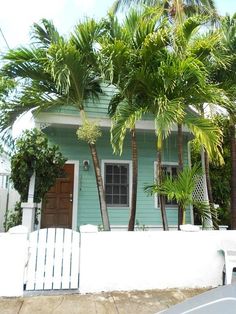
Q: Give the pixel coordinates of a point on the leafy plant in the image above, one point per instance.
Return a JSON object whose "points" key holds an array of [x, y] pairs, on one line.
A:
{"points": [[181, 189], [13, 218], [140, 227], [33, 153]]}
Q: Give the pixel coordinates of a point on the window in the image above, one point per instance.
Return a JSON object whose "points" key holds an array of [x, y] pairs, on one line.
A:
{"points": [[4, 181], [171, 170], [116, 180]]}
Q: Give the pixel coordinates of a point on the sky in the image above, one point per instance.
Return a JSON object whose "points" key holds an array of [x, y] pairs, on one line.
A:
{"points": [[17, 16]]}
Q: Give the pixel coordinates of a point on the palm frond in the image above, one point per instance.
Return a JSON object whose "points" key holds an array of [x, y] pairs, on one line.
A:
{"points": [[45, 33], [168, 113], [123, 4], [180, 189], [125, 117], [208, 134]]}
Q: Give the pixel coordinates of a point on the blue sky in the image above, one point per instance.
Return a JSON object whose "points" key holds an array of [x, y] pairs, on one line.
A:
{"points": [[17, 16], [226, 6]]}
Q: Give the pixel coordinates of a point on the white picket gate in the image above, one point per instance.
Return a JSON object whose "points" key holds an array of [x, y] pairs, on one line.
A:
{"points": [[53, 261]]}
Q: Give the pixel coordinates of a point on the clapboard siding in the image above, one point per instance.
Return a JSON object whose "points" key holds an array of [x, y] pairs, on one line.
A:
{"points": [[88, 204], [94, 108]]}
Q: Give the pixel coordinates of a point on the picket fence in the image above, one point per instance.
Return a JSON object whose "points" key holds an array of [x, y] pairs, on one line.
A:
{"points": [[53, 261]]}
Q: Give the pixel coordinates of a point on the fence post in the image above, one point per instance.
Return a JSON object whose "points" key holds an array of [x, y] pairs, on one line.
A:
{"points": [[14, 249], [28, 215], [85, 232]]}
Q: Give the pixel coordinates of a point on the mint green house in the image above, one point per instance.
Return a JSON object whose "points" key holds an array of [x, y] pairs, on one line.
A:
{"points": [[73, 201]]}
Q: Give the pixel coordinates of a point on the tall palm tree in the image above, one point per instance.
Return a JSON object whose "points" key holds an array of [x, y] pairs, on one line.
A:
{"points": [[173, 8], [177, 11], [59, 72], [198, 89], [224, 74], [120, 58], [166, 81]]}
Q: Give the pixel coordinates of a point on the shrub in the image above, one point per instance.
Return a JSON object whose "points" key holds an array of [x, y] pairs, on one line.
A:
{"points": [[33, 153]]}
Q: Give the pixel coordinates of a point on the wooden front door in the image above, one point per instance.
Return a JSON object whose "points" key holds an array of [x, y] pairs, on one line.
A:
{"points": [[58, 202]]}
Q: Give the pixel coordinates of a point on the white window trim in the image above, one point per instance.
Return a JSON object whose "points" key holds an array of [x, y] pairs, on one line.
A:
{"points": [[117, 161], [164, 163]]}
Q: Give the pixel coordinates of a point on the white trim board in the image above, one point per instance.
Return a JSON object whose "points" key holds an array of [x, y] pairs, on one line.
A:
{"points": [[75, 192], [72, 120]]}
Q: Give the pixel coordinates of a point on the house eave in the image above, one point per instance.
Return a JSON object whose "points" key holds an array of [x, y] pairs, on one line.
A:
{"points": [[46, 119]]}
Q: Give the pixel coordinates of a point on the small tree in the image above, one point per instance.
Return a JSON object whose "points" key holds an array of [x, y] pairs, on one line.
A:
{"points": [[33, 153], [181, 189]]}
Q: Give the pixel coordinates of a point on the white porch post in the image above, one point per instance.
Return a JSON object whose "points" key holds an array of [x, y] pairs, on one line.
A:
{"points": [[28, 207]]}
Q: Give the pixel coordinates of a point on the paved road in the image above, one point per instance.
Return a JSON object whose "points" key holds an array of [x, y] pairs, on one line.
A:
{"points": [[135, 302]]}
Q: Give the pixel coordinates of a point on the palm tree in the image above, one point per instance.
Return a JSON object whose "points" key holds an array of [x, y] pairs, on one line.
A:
{"points": [[172, 8], [166, 81], [181, 189], [120, 58], [224, 74], [177, 11], [192, 52], [7, 86], [59, 72]]}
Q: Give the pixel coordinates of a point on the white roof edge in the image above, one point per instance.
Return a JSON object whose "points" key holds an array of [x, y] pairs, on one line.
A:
{"points": [[43, 120]]}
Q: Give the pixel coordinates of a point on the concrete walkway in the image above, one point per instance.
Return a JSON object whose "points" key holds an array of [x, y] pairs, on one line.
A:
{"points": [[135, 302]]}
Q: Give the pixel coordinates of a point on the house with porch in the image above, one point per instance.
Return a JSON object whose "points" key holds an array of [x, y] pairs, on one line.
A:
{"points": [[73, 201]]}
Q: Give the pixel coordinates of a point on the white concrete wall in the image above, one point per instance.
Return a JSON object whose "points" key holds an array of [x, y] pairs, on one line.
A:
{"points": [[151, 260], [128, 260], [13, 198], [13, 248]]}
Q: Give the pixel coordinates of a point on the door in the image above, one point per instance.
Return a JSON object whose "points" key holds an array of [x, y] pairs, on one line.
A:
{"points": [[58, 202]]}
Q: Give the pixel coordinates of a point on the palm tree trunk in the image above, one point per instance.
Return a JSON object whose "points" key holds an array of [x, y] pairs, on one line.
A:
{"points": [[233, 176], [209, 190], [161, 197], [134, 180], [100, 187], [99, 181], [180, 168]]}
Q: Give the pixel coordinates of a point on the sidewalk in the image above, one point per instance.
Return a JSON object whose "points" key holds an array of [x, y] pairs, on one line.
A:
{"points": [[134, 302]]}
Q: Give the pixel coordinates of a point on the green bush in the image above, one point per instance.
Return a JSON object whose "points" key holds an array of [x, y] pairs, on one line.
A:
{"points": [[33, 153], [13, 217]]}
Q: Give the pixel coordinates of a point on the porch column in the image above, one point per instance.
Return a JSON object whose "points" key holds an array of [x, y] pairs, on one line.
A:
{"points": [[28, 208]]}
